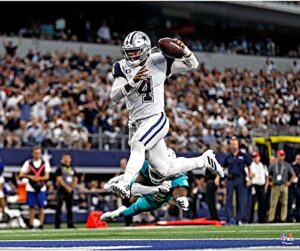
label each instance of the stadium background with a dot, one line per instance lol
(244, 44)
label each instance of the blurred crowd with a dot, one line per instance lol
(61, 100)
(242, 46)
(104, 35)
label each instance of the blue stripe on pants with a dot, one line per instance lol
(152, 128)
(159, 129)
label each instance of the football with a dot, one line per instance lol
(170, 48)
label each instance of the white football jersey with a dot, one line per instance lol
(147, 98)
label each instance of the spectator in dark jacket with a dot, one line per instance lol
(237, 180)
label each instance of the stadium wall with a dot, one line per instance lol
(85, 161)
(211, 60)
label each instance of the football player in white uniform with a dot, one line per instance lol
(140, 78)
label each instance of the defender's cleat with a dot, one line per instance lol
(109, 216)
(212, 164)
(121, 188)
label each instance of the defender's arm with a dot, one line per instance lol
(180, 195)
(139, 188)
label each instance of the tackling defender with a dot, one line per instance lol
(155, 192)
(139, 78)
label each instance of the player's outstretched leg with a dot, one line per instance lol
(211, 163)
(135, 162)
(144, 204)
(147, 135)
(109, 216)
(157, 158)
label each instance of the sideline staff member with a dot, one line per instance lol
(37, 171)
(237, 180)
(279, 173)
(260, 182)
(66, 181)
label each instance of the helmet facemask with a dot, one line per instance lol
(136, 48)
(133, 60)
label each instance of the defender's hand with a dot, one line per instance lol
(165, 187)
(183, 203)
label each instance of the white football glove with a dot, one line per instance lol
(165, 187)
(183, 203)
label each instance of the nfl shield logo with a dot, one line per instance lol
(283, 236)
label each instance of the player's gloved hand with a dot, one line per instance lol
(183, 203)
(140, 75)
(165, 187)
(187, 52)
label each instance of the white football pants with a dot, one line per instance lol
(148, 136)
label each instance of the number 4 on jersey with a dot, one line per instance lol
(145, 90)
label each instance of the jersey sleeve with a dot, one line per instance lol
(117, 71)
(225, 162)
(118, 90)
(180, 181)
(184, 64)
(290, 169)
(58, 172)
(25, 167)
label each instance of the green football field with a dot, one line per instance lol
(178, 232)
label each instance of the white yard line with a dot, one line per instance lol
(262, 226)
(202, 231)
(186, 239)
(87, 231)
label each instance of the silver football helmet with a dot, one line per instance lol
(136, 48)
(155, 177)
